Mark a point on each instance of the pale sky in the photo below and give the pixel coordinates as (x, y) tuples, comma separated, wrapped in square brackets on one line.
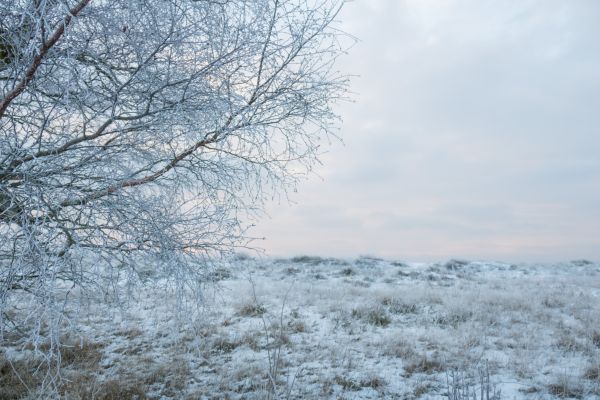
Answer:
[(475, 133)]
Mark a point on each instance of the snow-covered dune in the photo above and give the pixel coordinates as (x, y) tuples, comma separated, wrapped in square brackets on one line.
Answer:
[(311, 327)]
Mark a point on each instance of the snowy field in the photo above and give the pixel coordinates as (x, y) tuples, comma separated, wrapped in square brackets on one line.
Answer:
[(314, 328)]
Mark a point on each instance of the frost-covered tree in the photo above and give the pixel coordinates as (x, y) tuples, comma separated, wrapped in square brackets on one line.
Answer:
[(141, 132)]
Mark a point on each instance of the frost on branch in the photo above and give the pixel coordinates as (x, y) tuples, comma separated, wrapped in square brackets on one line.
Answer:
[(138, 133)]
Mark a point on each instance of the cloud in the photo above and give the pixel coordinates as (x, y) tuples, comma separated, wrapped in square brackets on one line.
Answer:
[(475, 132)]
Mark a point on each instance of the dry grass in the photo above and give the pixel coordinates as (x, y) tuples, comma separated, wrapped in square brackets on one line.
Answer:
[(347, 383), (251, 309), (595, 338), (400, 348), (563, 388), (568, 342), (297, 326), (224, 344), (84, 387), (592, 373), (332, 332), (172, 379), (17, 378), (422, 388), (79, 362), (376, 315), (424, 365), (373, 382), (82, 377), (129, 333), (116, 389), (399, 306), (81, 354)]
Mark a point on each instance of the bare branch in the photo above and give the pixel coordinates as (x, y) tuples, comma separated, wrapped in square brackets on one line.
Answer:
[(37, 61)]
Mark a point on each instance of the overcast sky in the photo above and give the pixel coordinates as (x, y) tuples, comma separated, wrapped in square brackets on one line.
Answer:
[(475, 133)]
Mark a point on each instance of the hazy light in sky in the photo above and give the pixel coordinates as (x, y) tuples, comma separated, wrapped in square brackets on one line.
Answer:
[(474, 133)]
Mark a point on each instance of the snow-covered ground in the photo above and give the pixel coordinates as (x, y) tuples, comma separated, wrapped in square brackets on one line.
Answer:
[(366, 328)]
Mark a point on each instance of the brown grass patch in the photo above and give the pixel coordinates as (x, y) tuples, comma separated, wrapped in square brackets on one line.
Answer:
[(16, 378), (118, 390), (81, 354), (376, 316), (564, 391), (251, 310), (423, 364)]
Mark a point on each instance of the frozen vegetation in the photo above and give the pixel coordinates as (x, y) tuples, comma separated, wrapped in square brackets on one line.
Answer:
[(311, 327)]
